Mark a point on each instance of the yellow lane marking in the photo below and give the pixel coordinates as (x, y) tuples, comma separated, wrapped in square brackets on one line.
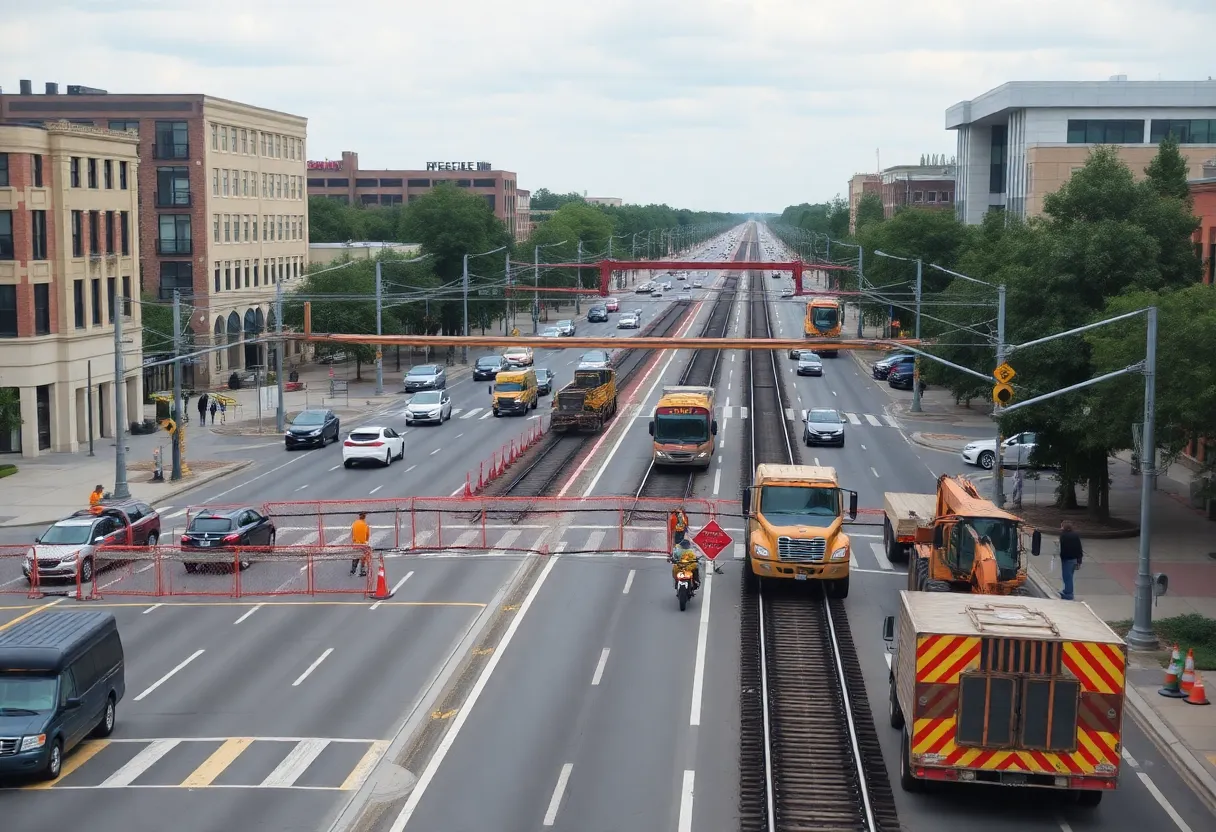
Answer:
[(444, 714), (83, 753), (31, 613), (214, 765), (355, 779), (1211, 758)]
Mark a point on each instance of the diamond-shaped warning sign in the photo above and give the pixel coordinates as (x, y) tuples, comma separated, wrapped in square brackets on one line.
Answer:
[(712, 539), (1004, 374)]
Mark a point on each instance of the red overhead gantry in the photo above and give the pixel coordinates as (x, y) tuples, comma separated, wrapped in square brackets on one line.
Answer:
[(607, 267)]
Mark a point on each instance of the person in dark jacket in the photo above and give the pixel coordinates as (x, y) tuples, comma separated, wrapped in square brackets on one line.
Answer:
[(1070, 557), (202, 408)]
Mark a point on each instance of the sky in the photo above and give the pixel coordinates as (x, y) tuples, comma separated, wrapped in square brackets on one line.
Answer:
[(725, 105)]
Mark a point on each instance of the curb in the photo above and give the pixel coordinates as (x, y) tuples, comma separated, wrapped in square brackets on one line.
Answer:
[(946, 449)]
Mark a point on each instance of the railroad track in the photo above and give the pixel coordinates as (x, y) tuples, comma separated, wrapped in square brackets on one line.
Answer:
[(809, 756)]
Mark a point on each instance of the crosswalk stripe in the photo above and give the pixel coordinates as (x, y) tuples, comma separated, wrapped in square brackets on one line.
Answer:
[(594, 540), (742, 412), (890, 421), (804, 415), (873, 421), (852, 417), (295, 763), (456, 410), (487, 415), (880, 554), (505, 542), (138, 764), (219, 760), (364, 766), (789, 414), (473, 412), (83, 753)]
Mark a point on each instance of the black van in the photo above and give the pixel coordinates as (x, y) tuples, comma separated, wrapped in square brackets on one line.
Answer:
[(61, 676)]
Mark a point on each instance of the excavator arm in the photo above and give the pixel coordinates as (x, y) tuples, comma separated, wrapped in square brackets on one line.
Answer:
[(985, 576)]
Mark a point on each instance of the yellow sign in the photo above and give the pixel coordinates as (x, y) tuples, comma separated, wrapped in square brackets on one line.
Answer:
[(1002, 393), (168, 425), (1004, 374)]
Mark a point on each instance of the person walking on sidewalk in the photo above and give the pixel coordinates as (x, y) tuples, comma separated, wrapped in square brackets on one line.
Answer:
[(360, 535), (214, 408), (1070, 557), (202, 408)]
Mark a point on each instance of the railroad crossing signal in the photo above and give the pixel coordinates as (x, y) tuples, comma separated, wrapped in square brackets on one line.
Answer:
[(712, 539), (1002, 393), (1003, 374)]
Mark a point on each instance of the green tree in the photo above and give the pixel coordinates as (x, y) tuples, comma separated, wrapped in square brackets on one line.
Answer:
[(331, 221), (838, 218), (1168, 171), (156, 319), (10, 409), (544, 199), (869, 210)]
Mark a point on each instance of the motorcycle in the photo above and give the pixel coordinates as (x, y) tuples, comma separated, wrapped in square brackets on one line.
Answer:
[(684, 588)]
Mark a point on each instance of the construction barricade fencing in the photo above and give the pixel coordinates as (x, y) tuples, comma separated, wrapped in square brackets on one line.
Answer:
[(18, 571)]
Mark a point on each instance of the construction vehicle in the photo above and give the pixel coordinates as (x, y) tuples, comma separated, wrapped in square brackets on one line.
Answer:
[(823, 319), (957, 540), (585, 403), (684, 427), (1024, 692), (794, 530)]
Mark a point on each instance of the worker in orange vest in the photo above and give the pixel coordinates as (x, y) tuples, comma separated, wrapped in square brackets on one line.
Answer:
[(96, 497), (677, 527), (360, 535)]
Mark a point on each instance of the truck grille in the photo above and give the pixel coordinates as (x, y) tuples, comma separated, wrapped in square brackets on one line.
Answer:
[(802, 550), (8, 746)]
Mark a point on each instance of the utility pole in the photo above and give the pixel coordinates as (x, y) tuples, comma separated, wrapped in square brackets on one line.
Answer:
[(90, 408), (464, 348), (536, 290), (380, 331), (916, 365), (579, 273), (509, 309), (1141, 634), (998, 468), (279, 414), (861, 287), (121, 490), (178, 415)]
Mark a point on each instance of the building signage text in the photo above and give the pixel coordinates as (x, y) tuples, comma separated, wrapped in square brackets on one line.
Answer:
[(458, 166), (326, 165)]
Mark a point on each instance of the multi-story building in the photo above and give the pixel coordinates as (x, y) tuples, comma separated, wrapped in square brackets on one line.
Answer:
[(69, 211), (345, 181), (225, 212), (919, 186), (860, 185), (1023, 140)]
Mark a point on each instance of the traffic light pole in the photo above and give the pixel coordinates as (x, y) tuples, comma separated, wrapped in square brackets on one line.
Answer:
[(178, 415), (998, 470)]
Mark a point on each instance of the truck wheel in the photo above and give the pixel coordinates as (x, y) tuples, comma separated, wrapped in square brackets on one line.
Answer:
[(1089, 798), (906, 781), (896, 553), (937, 586), (838, 588), (751, 581), (920, 574), (894, 714)]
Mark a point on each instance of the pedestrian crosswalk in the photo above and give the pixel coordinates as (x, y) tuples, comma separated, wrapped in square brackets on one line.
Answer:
[(727, 412), (473, 413), (311, 763)]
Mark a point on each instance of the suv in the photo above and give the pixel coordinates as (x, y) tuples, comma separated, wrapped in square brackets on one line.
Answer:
[(220, 529), (69, 548), (425, 377), (487, 367), (597, 314), (880, 368), (566, 328)]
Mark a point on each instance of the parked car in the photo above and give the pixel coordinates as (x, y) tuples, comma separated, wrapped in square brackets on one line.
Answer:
[(809, 364), (593, 360), (218, 529), (312, 428), (566, 328), (425, 377), (882, 366), (1016, 452), (901, 374), (612, 304), (544, 381), (597, 314), (521, 356), (373, 443), (487, 367), (823, 426), (74, 546), (627, 321), (787, 292), (429, 406)]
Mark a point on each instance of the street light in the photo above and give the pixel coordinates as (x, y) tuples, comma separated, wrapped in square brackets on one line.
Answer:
[(464, 349), (916, 364), (861, 280), (536, 284)]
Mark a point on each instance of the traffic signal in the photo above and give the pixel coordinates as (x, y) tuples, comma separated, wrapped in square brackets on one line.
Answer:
[(1002, 393)]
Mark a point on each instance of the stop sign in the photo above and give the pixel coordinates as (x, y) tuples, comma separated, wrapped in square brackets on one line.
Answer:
[(712, 539)]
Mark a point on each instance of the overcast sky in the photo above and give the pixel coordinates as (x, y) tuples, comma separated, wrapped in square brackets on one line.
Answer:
[(739, 105)]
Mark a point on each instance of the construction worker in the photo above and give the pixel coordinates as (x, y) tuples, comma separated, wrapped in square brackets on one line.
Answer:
[(677, 526), (360, 535), (96, 497)]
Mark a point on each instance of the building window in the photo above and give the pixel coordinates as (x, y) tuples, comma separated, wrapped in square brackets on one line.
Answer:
[(278, 183), (124, 126), (245, 141), (255, 272), (227, 228), (278, 147), (38, 237), (96, 287), (316, 183), (490, 200), (337, 183), (174, 237), (75, 171), (110, 232), (122, 176), (930, 196), (215, 137), (78, 302), (78, 234), (224, 139), (224, 180), (246, 272), (126, 296), (42, 309), (255, 228), (110, 298), (245, 183), (367, 183), (217, 276), (999, 150), (37, 160), (484, 183), (945, 196), (173, 187), (292, 180), (464, 183), (263, 186), (418, 183), (279, 235), (232, 138), (263, 153), (1106, 131), (8, 311), (94, 233), (172, 140), (176, 274), (228, 275), (107, 168), (6, 235), (4, 183), (92, 173), (1185, 130), (246, 228)]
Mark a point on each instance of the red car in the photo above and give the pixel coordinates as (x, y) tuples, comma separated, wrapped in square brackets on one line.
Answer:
[(612, 304)]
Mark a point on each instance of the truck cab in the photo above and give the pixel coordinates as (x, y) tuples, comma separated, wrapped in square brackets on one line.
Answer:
[(514, 391), (795, 517)]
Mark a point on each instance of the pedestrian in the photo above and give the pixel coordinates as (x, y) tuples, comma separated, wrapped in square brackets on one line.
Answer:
[(223, 412), (202, 408), (1071, 555), (214, 408), (96, 497), (677, 526), (360, 535)]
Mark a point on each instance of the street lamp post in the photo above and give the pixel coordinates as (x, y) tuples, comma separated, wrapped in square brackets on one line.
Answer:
[(579, 277), (916, 408), (861, 281), (380, 330), (536, 284)]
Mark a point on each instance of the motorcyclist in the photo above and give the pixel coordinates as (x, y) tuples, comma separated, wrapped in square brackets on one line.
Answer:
[(685, 558)]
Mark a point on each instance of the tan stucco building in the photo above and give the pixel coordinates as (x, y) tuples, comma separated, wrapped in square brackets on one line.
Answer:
[(69, 214), (323, 254)]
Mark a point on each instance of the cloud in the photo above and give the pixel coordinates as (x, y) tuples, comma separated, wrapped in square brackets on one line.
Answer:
[(719, 104)]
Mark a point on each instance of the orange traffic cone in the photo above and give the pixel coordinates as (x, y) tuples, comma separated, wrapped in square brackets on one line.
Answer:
[(1198, 695), (1188, 672), (468, 486), (1171, 688), (381, 593)]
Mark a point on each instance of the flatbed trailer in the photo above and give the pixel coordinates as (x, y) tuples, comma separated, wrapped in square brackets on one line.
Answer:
[(907, 516), (1025, 692)]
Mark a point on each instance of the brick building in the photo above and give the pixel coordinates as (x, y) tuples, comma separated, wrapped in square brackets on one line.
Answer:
[(918, 186), (69, 210), (225, 213), (860, 185)]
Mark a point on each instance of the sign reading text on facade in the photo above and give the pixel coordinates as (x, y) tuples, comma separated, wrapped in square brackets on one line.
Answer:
[(471, 166), (326, 165)]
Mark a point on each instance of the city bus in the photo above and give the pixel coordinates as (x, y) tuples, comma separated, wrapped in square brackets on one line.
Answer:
[(684, 426), (823, 318)]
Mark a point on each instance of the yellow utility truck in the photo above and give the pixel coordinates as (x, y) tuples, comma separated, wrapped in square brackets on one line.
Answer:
[(515, 391), (795, 515), (585, 403), (1025, 692)]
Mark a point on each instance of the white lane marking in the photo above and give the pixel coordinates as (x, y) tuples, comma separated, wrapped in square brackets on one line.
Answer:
[(863, 447), (374, 490), (248, 613), (555, 802), (411, 468), (182, 511), (169, 675), (471, 413), (215, 497), (698, 674), (437, 450), (312, 667), (457, 491), (852, 417), (459, 435), (138, 764), (890, 421), (335, 468), (717, 480), (872, 471), (599, 667), (294, 764), (628, 581), (739, 553), (396, 587), (302, 487), (449, 739), (686, 794), (1131, 761), (1064, 827), (873, 420), (877, 572), (816, 460), (887, 656), (880, 554), (149, 609)]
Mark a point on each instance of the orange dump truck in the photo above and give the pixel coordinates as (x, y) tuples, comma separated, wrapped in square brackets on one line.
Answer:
[(1023, 692)]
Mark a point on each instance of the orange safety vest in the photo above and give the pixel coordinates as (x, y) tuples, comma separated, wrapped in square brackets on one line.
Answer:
[(94, 499), (360, 533), (679, 521)]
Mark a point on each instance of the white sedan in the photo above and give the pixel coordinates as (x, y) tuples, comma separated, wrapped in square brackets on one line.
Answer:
[(373, 444), (429, 406)]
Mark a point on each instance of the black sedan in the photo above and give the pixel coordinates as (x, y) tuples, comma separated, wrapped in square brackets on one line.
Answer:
[(879, 369), (487, 367), (544, 381), (901, 374), (214, 533), (312, 429)]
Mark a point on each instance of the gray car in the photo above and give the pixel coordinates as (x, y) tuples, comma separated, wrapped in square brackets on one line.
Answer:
[(823, 426), (425, 377), (809, 364), (566, 328), (429, 406), (594, 360)]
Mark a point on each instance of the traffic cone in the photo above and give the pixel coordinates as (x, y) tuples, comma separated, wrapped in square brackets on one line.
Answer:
[(1188, 671), (381, 593), (1171, 688), (1198, 695), (481, 475), (468, 486)]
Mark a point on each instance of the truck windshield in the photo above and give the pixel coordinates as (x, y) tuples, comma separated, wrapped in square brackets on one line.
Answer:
[(1002, 535), (508, 387), (681, 429), (824, 317), (799, 500), (19, 694)]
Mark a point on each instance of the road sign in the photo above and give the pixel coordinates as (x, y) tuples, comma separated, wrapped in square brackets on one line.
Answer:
[(1004, 374), (168, 425), (712, 539), (1002, 393)]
